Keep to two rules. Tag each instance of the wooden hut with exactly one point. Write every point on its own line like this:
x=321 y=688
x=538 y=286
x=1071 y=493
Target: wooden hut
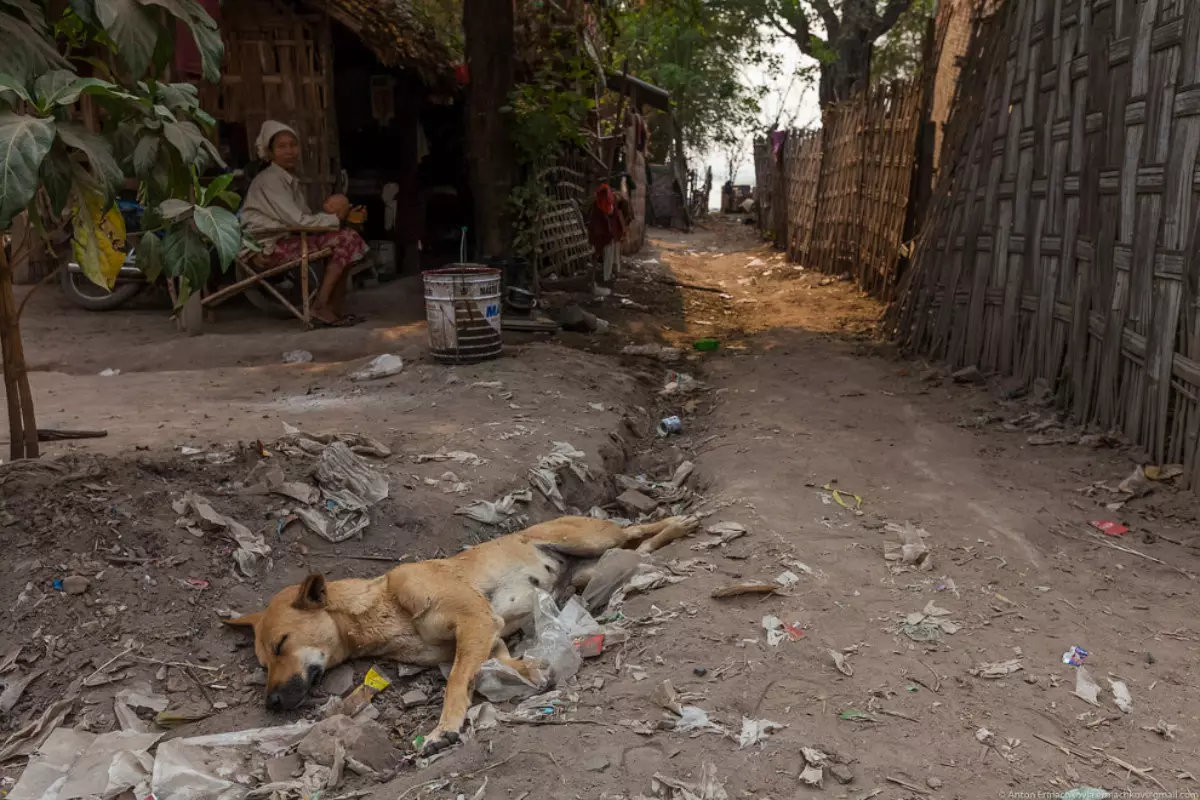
x=370 y=89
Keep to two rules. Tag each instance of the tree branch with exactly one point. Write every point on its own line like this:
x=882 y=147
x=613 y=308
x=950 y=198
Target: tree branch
x=800 y=33
x=829 y=17
x=887 y=20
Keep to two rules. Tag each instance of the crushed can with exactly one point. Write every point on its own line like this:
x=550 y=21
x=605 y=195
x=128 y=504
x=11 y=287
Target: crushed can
x=1075 y=656
x=670 y=425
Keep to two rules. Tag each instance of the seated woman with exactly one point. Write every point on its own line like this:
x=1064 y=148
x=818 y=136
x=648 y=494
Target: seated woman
x=276 y=200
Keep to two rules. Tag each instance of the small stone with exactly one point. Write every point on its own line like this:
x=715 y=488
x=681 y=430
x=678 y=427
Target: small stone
x=597 y=764
x=841 y=773
x=414 y=698
x=934 y=783
x=635 y=502
x=1150 y=659
x=700 y=672
x=75 y=584
x=338 y=680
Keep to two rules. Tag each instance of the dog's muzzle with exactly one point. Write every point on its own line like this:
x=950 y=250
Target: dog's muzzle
x=291 y=694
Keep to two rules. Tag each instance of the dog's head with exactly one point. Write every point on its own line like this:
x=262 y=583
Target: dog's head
x=296 y=639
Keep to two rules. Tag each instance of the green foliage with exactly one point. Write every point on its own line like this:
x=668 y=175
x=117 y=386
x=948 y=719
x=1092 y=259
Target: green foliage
x=153 y=131
x=697 y=50
x=547 y=114
x=899 y=53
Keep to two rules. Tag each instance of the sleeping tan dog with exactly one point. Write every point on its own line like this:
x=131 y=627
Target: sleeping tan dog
x=456 y=609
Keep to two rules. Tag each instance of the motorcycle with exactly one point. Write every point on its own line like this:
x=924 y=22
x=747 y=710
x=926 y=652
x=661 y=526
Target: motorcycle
x=131 y=282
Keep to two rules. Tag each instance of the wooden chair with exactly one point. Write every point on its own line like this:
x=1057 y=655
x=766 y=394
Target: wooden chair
x=254 y=271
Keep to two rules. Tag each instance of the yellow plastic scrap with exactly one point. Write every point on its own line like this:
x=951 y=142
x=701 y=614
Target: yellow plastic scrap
x=839 y=497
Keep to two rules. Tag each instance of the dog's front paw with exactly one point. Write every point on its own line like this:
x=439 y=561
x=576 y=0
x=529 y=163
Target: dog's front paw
x=438 y=741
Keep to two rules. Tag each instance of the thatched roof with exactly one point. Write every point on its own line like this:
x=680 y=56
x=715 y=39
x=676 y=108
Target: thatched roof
x=397 y=31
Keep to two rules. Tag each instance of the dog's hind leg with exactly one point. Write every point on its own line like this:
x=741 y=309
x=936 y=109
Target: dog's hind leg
x=661 y=533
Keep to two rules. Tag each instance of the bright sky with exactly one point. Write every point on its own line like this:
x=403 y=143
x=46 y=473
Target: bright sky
x=800 y=103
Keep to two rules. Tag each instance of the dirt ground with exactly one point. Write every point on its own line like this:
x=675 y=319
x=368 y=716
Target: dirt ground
x=801 y=400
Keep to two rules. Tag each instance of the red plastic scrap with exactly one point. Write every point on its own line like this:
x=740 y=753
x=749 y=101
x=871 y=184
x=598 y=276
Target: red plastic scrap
x=1109 y=528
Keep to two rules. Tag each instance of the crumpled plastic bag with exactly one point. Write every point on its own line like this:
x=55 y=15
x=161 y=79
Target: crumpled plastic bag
x=544 y=476
x=221 y=766
x=251 y=547
x=621 y=573
x=490 y=513
x=553 y=650
x=349 y=486
x=73 y=763
x=910 y=550
x=384 y=366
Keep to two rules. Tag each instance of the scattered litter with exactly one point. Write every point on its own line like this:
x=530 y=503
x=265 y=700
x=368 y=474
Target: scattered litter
x=1075 y=656
x=373 y=683
x=26 y=740
x=1121 y=696
x=297 y=357
x=384 y=366
x=1086 y=689
x=755 y=731
x=910 y=552
x=840 y=497
x=725 y=532
x=482 y=716
x=929 y=624
x=1109 y=528
x=694 y=718
x=496 y=513
x=553 y=650
x=110 y=373
x=74 y=763
x=622 y=573
x=252 y=548
x=661 y=352
x=998 y=669
x=264 y=479
x=1165 y=472
x=548 y=707
x=457 y=456
x=220 y=765
x=296 y=441
x=778 y=631
x=15 y=687
x=669 y=425
x=813 y=776
x=1136 y=485
x=984 y=736
x=841 y=662
x=787 y=578
x=349 y=486
x=706 y=345
x=708 y=788
x=735 y=589
x=854 y=715
x=363 y=742
x=1162 y=729
x=544 y=476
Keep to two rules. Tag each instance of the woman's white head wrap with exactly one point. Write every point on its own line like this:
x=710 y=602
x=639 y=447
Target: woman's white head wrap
x=270 y=129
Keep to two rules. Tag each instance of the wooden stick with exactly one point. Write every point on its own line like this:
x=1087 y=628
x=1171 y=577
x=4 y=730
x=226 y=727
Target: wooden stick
x=898 y=714
x=234 y=288
x=61 y=434
x=905 y=784
x=1130 y=551
x=307 y=318
x=696 y=287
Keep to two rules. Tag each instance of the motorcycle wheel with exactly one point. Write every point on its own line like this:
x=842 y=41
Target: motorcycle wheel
x=85 y=294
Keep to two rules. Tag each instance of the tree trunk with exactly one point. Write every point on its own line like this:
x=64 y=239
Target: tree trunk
x=490 y=50
x=22 y=426
x=851 y=71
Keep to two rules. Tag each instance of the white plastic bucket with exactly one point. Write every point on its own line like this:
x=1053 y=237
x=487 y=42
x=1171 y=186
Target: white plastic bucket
x=462 y=307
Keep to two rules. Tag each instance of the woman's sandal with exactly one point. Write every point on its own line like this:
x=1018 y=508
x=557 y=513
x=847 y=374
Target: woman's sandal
x=340 y=322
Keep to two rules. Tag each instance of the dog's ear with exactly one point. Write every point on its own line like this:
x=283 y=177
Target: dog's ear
x=247 y=621
x=312 y=593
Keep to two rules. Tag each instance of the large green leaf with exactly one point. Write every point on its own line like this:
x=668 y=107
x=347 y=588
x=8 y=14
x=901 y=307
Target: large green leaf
x=185 y=255
x=98 y=237
x=186 y=138
x=177 y=95
x=101 y=163
x=26 y=49
x=61 y=87
x=24 y=142
x=86 y=10
x=215 y=188
x=148 y=255
x=145 y=155
x=173 y=208
x=57 y=177
x=204 y=31
x=221 y=228
x=8 y=83
x=132 y=30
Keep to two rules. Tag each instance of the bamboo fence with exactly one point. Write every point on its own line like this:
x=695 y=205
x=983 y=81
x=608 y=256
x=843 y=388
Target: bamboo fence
x=1064 y=241
x=838 y=198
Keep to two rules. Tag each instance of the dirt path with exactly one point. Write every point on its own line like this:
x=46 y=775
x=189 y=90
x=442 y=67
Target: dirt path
x=801 y=398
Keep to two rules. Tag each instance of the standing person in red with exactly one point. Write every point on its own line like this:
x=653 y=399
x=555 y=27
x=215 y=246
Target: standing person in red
x=276 y=200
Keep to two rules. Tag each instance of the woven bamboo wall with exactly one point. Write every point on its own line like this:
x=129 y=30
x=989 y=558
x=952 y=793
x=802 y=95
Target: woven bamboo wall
x=846 y=186
x=1064 y=241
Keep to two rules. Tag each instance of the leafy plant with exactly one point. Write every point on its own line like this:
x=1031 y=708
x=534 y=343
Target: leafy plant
x=150 y=132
